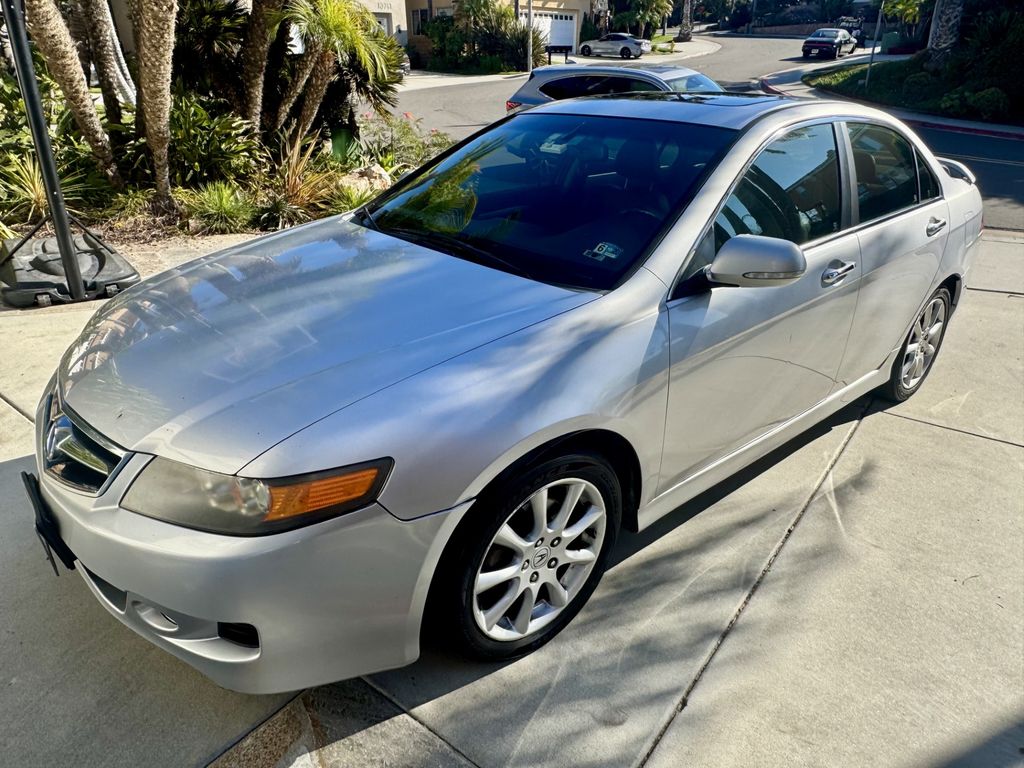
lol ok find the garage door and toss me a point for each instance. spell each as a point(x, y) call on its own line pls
point(559, 28)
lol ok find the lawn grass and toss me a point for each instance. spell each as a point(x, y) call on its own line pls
point(905, 84)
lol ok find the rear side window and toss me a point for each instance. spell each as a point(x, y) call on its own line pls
point(885, 169)
point(929, 184)
point(593, 85)
point(565, 87)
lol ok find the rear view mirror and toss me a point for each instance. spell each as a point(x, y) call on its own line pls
point(752, 260)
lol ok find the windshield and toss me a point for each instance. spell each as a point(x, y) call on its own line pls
point(567, 199)
point(692, 83)
point(830, 33)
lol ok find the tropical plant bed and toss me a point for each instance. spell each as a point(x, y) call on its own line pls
point(906, 84)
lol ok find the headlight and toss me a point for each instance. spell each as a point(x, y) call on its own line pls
point(242, 506)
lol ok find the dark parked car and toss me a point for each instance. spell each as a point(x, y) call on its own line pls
point(829, 42)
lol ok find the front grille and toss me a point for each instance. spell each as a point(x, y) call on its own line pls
point(73, 453)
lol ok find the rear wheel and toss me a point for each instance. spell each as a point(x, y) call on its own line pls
point(585, 50)
point(529, 555)
point(625, 53)
point(920, 349)
point(807, 54)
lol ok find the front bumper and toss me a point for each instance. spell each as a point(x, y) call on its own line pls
point(329, 601)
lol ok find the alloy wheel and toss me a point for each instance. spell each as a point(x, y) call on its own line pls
point(923, 343)
point(539, 559)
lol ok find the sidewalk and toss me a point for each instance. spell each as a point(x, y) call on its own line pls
point(856, 598)
point(789, 82)
point(420, 79)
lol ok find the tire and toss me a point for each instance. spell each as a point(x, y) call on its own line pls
point(626, 53)
point(458, 604)
point(905, 380)
point(585, 50)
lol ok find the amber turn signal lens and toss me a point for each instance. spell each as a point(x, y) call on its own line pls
point(290, 500)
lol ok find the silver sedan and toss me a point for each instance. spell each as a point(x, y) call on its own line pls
point(276, 461)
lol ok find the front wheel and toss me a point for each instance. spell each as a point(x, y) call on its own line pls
point(529, 555)
point(585, 50)
point(920, 349)
point(625, 53)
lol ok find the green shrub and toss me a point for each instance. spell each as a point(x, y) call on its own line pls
point(394, 142)
point(349, 197)
point(917, 85)
point(220, 207)
point(990, 103)
point(23, 194)
point(208, 143)
point(490, 40)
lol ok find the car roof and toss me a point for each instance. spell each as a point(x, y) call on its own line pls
point(827, 29)
point(663, 71)
point(727, 110)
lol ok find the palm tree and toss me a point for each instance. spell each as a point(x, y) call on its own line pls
point(945, 31)
point(260, 34)
point(51, 36)
point(334, 32)
point(155, 40)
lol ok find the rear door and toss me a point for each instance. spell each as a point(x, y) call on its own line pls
point(903, 230)
point(745, 360)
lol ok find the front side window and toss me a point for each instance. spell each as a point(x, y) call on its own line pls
point(791, 191)
point(568, 199)
point(884, 166)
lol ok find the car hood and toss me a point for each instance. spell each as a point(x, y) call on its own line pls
point(216, 361)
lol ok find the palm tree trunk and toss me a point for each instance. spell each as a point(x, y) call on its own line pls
point(80, 35)
point(685, 33)
point(101, 42)
point(156, 38)
point(320, 78)
point(302, 72)
point(254, 56)
point(945, 32)
point(54, 41)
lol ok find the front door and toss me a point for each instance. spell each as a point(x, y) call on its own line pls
point(745, 360)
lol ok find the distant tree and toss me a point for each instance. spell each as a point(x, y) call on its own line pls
point(945, 32)
point(685, 23)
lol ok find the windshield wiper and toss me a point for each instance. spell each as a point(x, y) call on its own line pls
point(367, 218)
point(454, 246)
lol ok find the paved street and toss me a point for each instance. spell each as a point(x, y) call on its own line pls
point(738, 63)
point(856, 598)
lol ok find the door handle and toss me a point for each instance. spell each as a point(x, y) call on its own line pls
point(934, 226)
point(834, 274)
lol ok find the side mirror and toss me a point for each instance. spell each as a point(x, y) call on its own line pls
point(752, 260)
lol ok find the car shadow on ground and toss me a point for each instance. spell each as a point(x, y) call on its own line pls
point(696, 574)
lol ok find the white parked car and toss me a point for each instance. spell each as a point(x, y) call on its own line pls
point(616, 44)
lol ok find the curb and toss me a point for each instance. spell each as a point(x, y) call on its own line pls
point(920, 119)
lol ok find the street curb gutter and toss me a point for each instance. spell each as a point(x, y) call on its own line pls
point(923, 121)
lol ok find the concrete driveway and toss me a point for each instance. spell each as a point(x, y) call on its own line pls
point(856, 598)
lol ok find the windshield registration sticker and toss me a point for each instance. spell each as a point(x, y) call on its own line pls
point(603, 251)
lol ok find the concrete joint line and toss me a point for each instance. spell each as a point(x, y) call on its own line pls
point(955, 429)
point(995, 290)
point(5, 399)
point(430, 730)
point(681, 705)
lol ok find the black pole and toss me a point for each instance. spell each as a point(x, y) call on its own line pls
point(13, 16)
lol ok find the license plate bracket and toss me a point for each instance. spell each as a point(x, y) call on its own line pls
point(47, 528)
